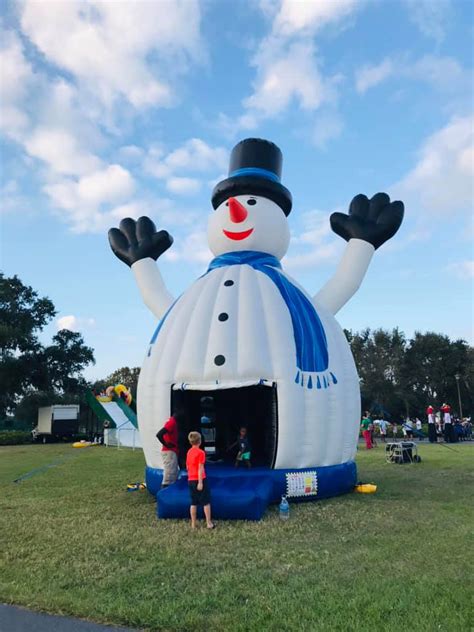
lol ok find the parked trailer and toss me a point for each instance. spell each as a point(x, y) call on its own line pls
point(57, 422)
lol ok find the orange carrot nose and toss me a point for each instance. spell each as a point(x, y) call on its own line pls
point(238, 212)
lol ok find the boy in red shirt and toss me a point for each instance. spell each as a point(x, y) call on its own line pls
point(198, 487)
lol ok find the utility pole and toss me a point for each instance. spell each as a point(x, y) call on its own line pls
point(458, 377)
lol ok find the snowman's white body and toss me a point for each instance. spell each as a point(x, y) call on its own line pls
point(317, 426)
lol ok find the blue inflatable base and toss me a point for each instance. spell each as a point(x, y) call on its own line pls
point(238, 494)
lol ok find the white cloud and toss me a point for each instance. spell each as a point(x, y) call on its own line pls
point(109, 185)
point(288, 68)
point(314, 244)
point(324, 254)
point(15, 77)
point(369, 76)
point(229, 126)
point(292, 75)
point(85, 202)
point(109, 46)
point(443, 74)
point(61, 151)
point(192, 249)
point(59, 104)
point(58, 128)
point(74, 323)
point(430, 16)
point(195, 155)
point(462, 269)
point(80, 185)
point(12, 120)
point(94, 66)
point(440, 187)
point(213, 181)
point(441, 183)
point(183, 186)
point(131, 209)
point(308, 16)
point(163, 211)
point(16, 71)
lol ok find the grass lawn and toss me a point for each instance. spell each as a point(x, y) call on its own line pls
point(73, 541)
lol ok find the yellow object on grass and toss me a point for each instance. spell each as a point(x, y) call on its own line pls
point(366, 488)
point(82, 444)
point(135, 487)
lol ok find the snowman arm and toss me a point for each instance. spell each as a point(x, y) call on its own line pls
point(348, 276)
point(152, 287)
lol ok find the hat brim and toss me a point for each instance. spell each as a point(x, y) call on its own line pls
point(251, 185)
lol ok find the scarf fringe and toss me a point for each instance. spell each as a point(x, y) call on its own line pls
point(318, 380)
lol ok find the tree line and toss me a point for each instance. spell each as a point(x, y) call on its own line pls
point(399, 376)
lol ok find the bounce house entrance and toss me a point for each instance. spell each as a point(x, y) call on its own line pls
point(219, 414)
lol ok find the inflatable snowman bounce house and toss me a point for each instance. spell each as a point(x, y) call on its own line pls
point(245, 345)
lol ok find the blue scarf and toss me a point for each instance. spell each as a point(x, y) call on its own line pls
point(310, 338)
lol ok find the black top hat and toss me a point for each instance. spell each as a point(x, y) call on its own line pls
point(255, 169)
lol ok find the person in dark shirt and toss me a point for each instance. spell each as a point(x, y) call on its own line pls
point(245, 453)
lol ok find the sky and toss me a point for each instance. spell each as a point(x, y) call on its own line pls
point(123, 109)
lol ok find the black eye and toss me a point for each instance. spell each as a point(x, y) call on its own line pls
point(251, 202)
point(227, 203)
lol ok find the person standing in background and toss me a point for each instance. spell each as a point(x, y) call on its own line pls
point(448, 424)
point(431, 424)
point(419, 429)
point(168, 437)
point(439, 424)
point(366, 425)
point(383, 425)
